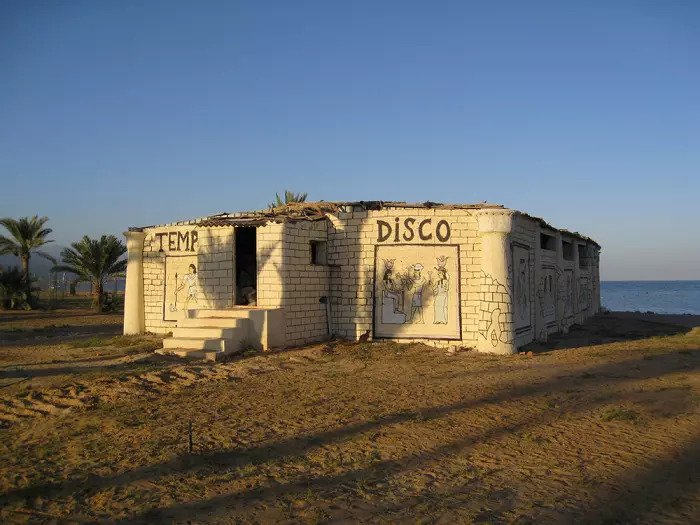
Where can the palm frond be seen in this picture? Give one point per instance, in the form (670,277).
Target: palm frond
(94,259)
(289,198)
(26,234)
(45,255)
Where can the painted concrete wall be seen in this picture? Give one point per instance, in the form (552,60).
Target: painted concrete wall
(168,253)
(270,271)
(305,283)
(478,278)
(357,238)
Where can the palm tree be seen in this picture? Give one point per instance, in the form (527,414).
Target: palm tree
(289,197)
(94,260)
(27,235)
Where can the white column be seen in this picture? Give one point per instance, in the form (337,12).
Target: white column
(134,319)
(495,291)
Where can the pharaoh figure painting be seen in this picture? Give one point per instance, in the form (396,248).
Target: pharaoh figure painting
(181,287)
(417,291)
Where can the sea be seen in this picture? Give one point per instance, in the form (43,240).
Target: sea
(660,297)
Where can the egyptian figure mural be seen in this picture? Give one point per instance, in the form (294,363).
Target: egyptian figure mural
(181,286)
(547,297)
(416,291)
(495,309)
(521,285)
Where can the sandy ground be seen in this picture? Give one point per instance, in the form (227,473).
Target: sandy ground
(599,426)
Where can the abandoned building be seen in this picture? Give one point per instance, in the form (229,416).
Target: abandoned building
(473,275)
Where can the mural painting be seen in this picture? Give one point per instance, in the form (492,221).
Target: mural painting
(547,298)
(565,296)
(548,295)
(417,291)
(521,285)
(584,296)
(181,286)
(495,307)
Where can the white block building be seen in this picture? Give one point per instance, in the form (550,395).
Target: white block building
(475,275)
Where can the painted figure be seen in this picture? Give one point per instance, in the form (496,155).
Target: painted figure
(522,294)
(190,281)
(494,328)
(392,296)
(440,291)
(417,285)
(390,310)
(388,273)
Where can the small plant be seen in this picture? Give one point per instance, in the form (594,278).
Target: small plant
(619,414)
(289,197)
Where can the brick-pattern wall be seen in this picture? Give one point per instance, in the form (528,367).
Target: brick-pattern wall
(215,264)
(305,283)
(495,305)
(352,238)
(286,277)
(271,277)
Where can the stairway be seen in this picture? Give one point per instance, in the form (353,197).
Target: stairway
(212,334)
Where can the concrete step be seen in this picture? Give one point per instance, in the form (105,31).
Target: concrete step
(192,354)
(195,343)
(232,313)
(265,328)
(237,333)
(213,322)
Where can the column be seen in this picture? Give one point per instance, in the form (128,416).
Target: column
(134,319)
(496,333)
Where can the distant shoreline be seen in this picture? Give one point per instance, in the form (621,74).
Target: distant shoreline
(687,320)
(654,281)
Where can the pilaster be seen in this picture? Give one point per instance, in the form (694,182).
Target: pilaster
(134,318)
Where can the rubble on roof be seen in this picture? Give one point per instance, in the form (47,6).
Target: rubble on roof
(312,211)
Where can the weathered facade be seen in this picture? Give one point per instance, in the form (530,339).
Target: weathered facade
(481,276)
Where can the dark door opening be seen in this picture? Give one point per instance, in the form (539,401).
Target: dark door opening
(246,266)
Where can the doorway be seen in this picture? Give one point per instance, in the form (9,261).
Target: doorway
(246,266)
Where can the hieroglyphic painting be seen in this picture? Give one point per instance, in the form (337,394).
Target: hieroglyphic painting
(584,294)
(521,286)
(417,291)
(565,295)
(181,286)
(547,295)
(496,304)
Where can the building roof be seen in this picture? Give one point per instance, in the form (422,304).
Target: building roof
(311,211)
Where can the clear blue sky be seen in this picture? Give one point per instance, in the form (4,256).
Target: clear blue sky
(587,113)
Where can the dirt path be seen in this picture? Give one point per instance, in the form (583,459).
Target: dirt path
(377,433)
